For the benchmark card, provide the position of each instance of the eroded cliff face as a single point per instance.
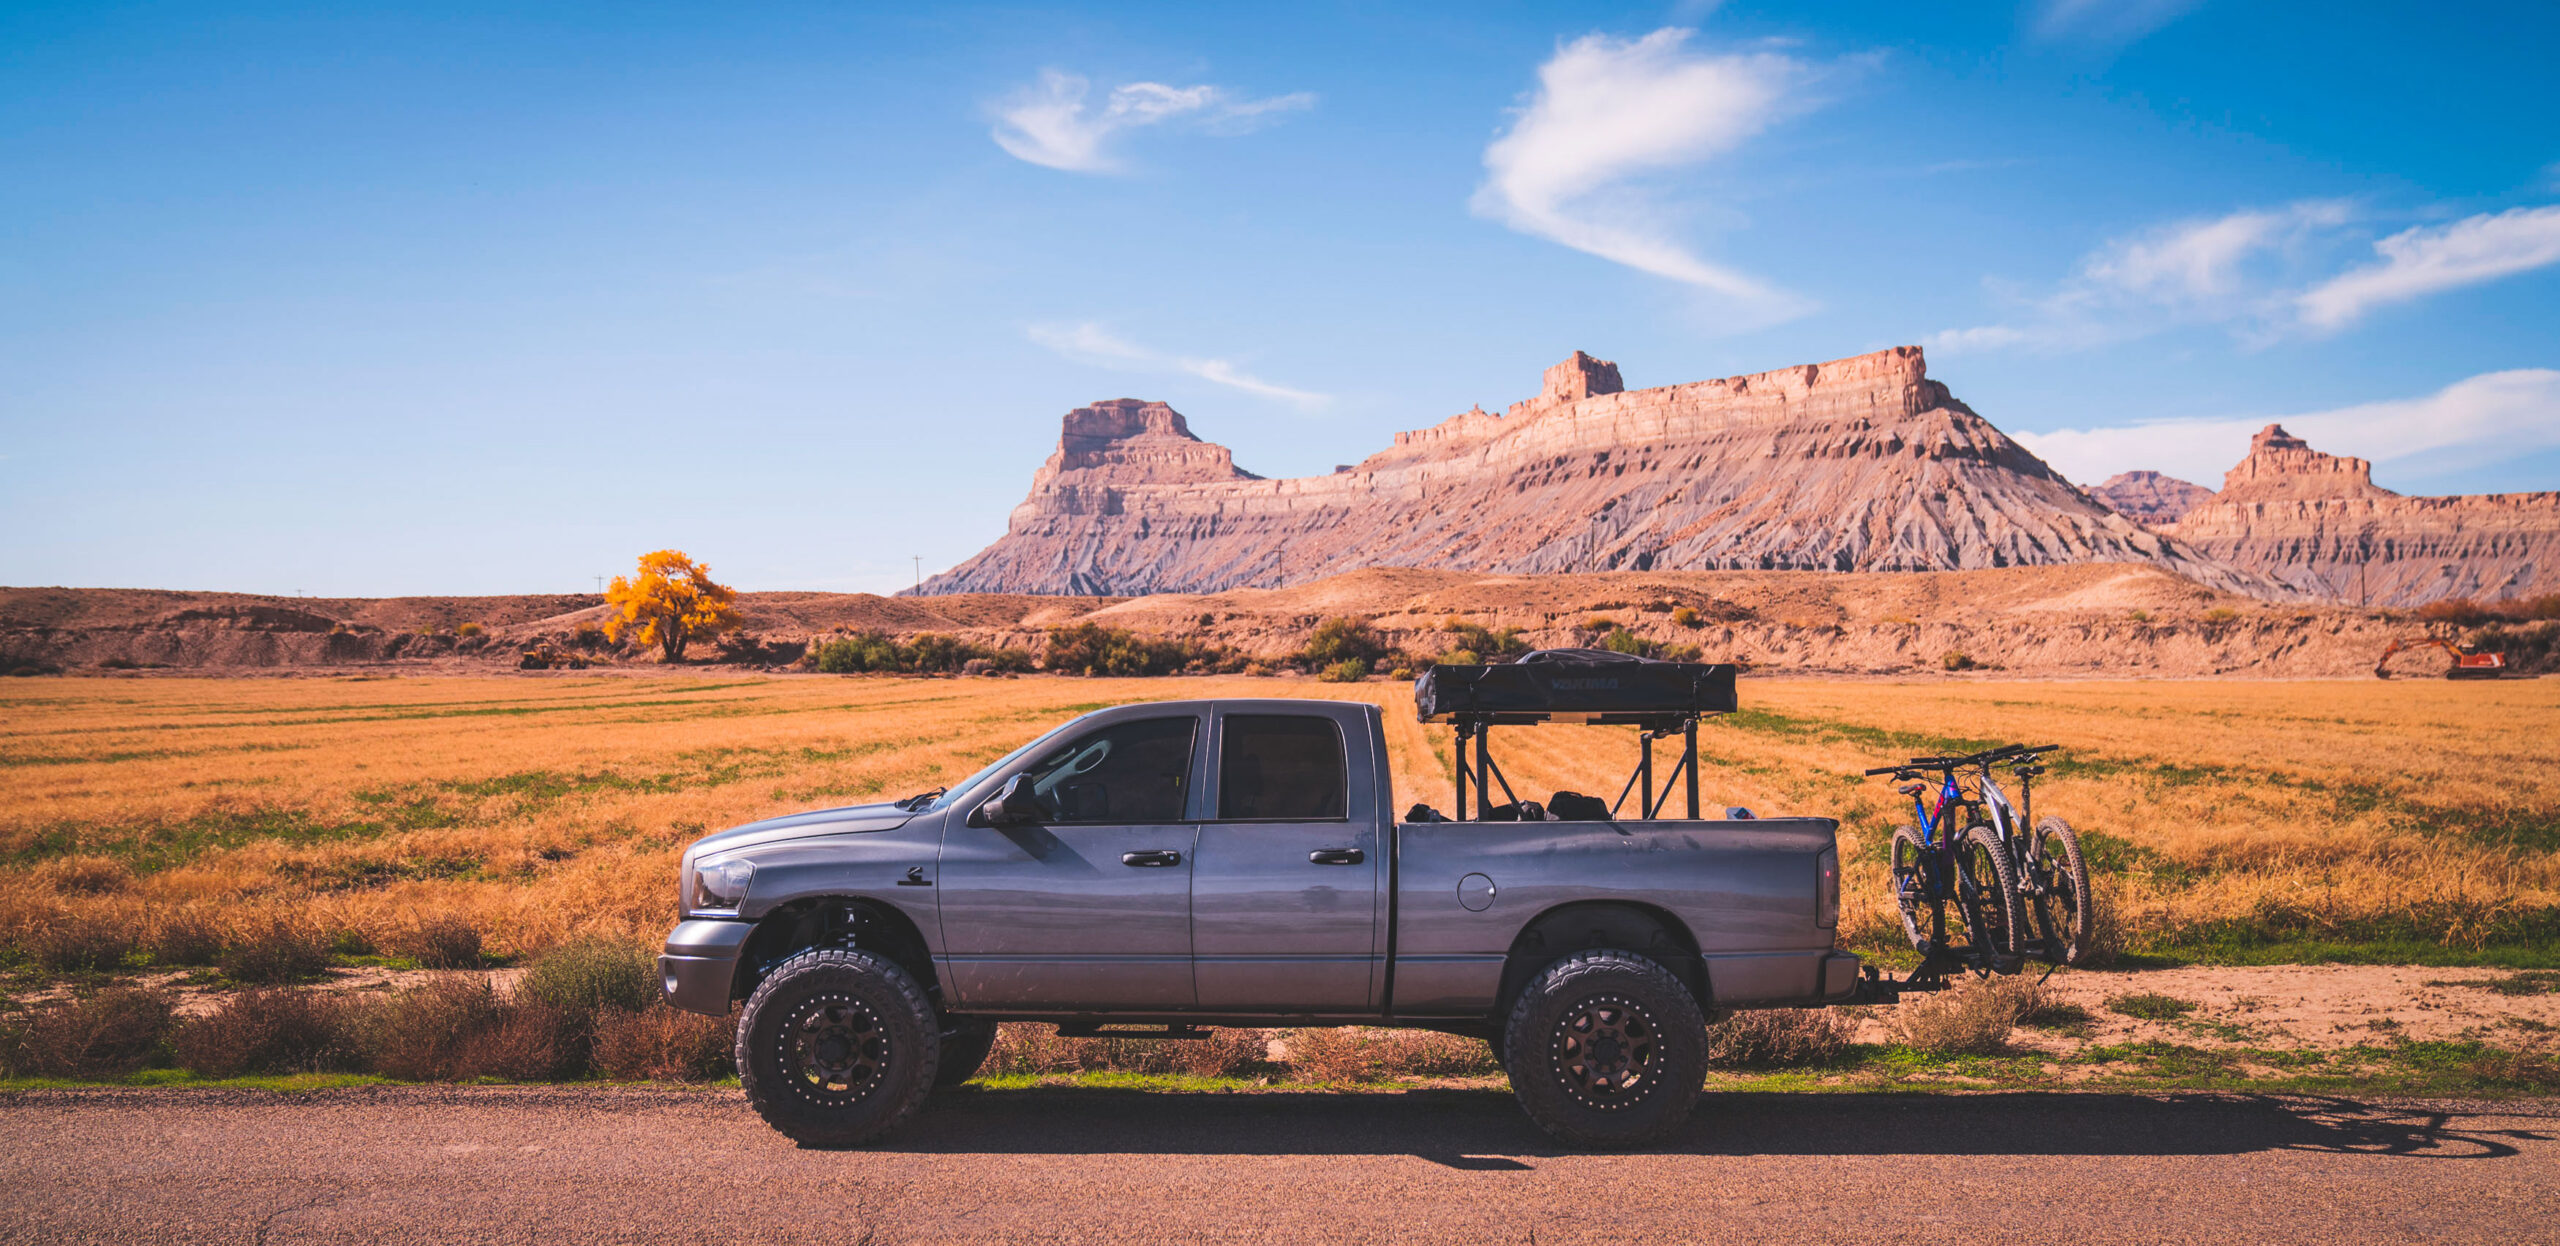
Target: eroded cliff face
(2319, 524)
(2150, 498)
(1861, 464)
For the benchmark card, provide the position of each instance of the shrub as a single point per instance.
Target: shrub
(1034, 1049)
(457, 1031)
(1686, 617)
(469, 629)
(2140, 616)
(1362, 1053)
(185, 938)
(279, 951)
(2150, 1006)
(83, 943)
(590, 975)
(1972, 1018)
(87, 875)
(1461, 657)
(2221, 614)
(445, 941)
(855, 654)
(1780, 1037)
(1346, 671)
(1342, 639)
(1599, 623)
(1476, 639)
(663, 1044)
(108, 1034)
(1956, 661)
(277, 1030)
(1092, 649)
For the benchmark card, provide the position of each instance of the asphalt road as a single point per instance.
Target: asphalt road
(576, 1165)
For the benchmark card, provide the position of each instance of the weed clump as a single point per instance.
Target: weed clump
(460, 1031)
(1973, 1018)
(1780, 1037)
(83, 943)
(445, 941)
(663, 1044)
(106, 1034)
(185, 937)
(277, 951)
(276, 1030)
(589, 976)
(2150, 1006)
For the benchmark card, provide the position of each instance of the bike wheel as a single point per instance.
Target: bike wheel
(1924, 919)
(1987, 895)
(2067, 888)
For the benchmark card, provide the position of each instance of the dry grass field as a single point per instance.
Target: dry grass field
(2409, 820)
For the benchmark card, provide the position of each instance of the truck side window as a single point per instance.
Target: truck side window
(1129, 773)
(1281, 767)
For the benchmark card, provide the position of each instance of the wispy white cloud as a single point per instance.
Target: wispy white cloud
(1091, 343)
(1052, 122)
(2259, 273)
(1609, 111)
(2422, 261)
(2472, 421)
(2108, 23)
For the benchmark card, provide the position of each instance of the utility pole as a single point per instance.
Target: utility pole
(599, 586)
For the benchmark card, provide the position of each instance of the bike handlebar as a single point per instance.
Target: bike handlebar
(2006, 752)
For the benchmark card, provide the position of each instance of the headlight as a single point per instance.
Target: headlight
(722, 884)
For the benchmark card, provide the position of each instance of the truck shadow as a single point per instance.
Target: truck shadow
(1485, 1129)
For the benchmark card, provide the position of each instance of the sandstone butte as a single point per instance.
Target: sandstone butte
(2149, 498)
(2317, 523)
(1860, 464)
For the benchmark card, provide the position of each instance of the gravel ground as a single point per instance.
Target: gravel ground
(502, 1164)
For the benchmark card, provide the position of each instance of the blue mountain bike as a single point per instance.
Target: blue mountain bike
(1952, 877)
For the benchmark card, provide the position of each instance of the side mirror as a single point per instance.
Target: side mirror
(1013, 804)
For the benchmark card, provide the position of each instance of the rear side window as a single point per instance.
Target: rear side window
(1282, 767)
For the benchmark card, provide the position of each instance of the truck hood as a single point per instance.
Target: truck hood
(882, 817)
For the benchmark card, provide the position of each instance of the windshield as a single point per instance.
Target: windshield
(956, 790)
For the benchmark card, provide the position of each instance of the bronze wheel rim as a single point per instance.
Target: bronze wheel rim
(1606, 1052)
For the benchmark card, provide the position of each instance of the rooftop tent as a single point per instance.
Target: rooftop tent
(1589, 686)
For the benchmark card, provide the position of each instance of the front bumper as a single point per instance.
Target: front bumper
(700, 964)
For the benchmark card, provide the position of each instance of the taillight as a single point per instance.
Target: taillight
(1826, 889)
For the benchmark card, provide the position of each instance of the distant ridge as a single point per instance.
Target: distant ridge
(1859, 464)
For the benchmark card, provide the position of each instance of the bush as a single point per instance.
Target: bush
(2221, 614)
(469, 629)
(1033, 1048)
(1461, 657)
(1361, 1054)
(1956, 661)
(277, 1030)
(1480, 642)
(589, 976)
(930, 653)
(458, 1031)
(1972, 1018)
(1340, 640)
(445, 941)
(185, 938)
(1346, 671)
(1686, 617)
(1780, 1037)
(87, 875)
(279, 951)
(663, 1044)
(85, 943)
(1092, 649)
(108, 1034)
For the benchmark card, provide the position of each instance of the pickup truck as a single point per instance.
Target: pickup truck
(1186, 864)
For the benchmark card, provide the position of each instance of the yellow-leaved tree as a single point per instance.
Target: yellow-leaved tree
(671, 603)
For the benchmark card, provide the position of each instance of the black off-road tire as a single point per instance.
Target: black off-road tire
(837, 1047)
(1606, 1049)
(2076, 929)
(965, 1045)
(1923, 919)
(1987, 891)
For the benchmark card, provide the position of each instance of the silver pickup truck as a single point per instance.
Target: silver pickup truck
(1186, 864)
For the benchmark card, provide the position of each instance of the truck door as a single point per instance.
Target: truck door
(1090, 907)
(1284, 896)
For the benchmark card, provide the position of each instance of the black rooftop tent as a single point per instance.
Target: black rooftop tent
(1591, 686)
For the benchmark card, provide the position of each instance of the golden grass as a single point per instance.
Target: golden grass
(540, 807)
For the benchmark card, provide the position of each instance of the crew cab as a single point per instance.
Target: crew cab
(1186, 864)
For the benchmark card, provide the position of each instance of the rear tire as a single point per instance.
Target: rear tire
(1606, 1049)
(1923, 919)
(837, 1047)
(964, 1051)
(2059, 845)
(1987, 888)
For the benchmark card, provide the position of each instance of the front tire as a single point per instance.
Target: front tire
(1606, 1049)
(2071, 930)
(964, 1050)
(837, 1047)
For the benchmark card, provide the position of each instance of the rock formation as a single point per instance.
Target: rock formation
(2319, 524)
(1861, 464)
(2150, 498)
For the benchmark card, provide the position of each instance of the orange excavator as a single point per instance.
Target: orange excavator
(2468, 663)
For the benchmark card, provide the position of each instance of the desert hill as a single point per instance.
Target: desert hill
(1861, 464)
(2085, 619)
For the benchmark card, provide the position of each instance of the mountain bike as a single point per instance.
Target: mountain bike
(2050, 875)
(1951, 861)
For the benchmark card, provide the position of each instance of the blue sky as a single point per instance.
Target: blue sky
(455, 300)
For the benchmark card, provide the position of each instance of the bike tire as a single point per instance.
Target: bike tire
(2060, 845)
(1924, 919)
(1987, 895)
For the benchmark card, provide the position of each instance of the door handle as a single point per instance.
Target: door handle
(1337, 856)
(1153, 856)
